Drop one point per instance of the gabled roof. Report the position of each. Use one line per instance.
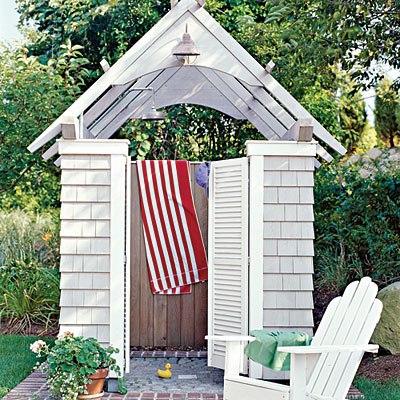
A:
(225, 77)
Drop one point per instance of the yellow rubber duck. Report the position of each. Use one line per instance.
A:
(165, 373)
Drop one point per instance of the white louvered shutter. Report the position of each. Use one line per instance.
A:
(227, 254)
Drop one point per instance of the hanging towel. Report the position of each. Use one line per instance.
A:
(176, 256)
(263, 349)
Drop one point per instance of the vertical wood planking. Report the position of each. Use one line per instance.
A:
(160, 320)
(187, 301)
(200, 290)
(174, 321)
(147, 301)
(135, 259)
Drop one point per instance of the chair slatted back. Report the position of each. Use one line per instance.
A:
(348, 320)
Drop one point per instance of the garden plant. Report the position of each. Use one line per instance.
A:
(72, 362)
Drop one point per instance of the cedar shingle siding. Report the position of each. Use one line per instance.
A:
(288, 244)
(85, 246)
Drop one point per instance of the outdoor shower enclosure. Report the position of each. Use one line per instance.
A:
(260, 245)
(260, 230)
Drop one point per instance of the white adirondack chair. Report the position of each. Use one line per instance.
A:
(324, 370)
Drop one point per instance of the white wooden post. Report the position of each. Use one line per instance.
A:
(256, 197)
(93, 270)
(281, 242)
(298, 376)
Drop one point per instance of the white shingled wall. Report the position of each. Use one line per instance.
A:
(288, 244)
(85, 245)
(93, 203)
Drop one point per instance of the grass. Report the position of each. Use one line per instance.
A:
(373, 390)
(16, 360)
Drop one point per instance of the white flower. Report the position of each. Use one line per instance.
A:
(38, 346)
(65, 334)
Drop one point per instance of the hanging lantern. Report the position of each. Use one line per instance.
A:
(186, 49)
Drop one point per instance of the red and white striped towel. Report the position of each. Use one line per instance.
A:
(176, 256)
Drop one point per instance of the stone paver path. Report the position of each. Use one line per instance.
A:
(188, 375)
(143, 373)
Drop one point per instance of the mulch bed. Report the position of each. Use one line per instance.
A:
(380, 368)
(7, 328)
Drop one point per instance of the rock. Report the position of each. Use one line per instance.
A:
(374, 153)
(387, 333)
(365, 173)
(353, 159)
(394, 157)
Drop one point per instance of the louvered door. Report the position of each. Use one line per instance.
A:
(228, 254)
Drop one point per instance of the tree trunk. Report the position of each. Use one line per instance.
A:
(391, 141)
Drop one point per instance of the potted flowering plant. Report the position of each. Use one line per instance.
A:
(76, 367)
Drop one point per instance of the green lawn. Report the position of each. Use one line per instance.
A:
(373, 390)
(16, 360)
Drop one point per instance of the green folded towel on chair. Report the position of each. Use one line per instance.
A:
(263, 349)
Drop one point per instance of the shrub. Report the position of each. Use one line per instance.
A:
(29, 278)
(29, 294)
(28, 238)
(357, 223)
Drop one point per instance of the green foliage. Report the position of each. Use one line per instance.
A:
(106, 29)
(33, 95)
(191, 133)
(29, 238)
(387, 109)
(16, 360)
(373, 390)
(29, 280)
(29, 294)
(352, 114)
(357, 224)
(71, 361)
(368, 139)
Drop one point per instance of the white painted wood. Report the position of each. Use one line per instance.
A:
(369, 348)
(263, 77)
(105, 65)
(244, 108)
(128, 206)
(253, 104)
(132, 104)
(298, 377)
(248, 388)
(152, 55)
(51, 151)
(280, 148)
(107, 79)
(271, 104)
(117, 255)
(93, 147)
(341, 339)
(228, 266)
(256, 256)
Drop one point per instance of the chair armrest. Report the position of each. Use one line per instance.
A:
(370, 348)
(238, 338)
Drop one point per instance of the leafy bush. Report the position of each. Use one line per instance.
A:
(29, 278)
(29, 294)
(357, 225)
(28, 238)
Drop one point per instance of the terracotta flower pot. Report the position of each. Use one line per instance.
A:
(94, 389)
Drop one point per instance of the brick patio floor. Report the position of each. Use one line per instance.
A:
(34, 388)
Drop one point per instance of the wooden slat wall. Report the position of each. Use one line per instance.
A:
(159, 320)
